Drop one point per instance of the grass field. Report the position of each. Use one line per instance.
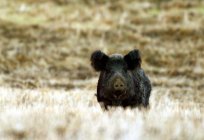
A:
(47, 86)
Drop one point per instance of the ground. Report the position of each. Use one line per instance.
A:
(47, 86)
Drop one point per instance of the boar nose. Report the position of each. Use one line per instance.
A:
(119, 84)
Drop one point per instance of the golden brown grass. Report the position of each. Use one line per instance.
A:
(47, 85)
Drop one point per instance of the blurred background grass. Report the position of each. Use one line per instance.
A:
(47, 43)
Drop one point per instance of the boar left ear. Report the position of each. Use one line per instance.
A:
(98, 60)
(133, 59)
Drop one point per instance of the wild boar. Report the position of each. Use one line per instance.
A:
(122, 81)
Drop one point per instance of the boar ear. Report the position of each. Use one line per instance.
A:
(133, 59)
(98, 60)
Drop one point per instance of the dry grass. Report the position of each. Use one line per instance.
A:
(75, 114)
(47, 85)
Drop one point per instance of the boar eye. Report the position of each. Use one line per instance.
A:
(109, 71)
(125, 69)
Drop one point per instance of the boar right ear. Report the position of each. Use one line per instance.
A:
(98, 60)
(133, 59)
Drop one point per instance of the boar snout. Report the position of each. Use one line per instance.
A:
(118, 84)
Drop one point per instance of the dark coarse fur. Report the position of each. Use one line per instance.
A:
(138, 88)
